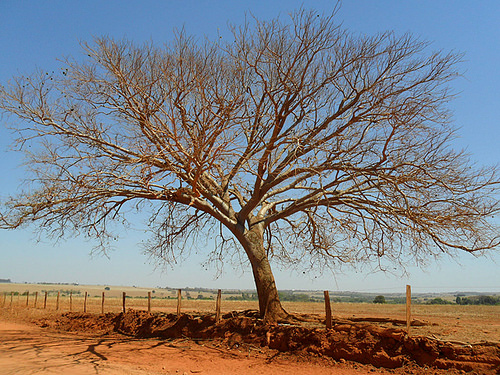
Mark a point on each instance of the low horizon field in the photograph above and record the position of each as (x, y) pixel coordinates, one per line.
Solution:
(464, 323)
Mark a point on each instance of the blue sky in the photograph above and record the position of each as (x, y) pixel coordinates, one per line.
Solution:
(37, 33)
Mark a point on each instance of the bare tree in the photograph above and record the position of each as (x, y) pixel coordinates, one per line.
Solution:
(301, 142)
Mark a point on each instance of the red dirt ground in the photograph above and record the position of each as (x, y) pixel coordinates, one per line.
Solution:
(142, 343)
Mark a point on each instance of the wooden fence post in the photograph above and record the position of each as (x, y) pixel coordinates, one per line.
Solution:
(408, 309)
(149, 302)
(328, 309)
(85, 303)
(57, 301)
(36, 299)
(27, 298)
(11, 299)
(179, 298)
(70, 300)
(45, 301)
(102, 304)
(217, 306)
(4, 298)
(124, 296)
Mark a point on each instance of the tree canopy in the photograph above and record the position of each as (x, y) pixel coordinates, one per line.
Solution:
(296, 141)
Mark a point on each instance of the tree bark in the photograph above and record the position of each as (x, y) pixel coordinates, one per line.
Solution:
(269, 302)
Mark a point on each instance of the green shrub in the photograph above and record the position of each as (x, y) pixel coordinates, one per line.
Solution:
(379, 299)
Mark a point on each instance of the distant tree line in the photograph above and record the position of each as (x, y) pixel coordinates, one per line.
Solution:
(290, 296)
(439, 301)
(478, 300)
(244, 297)
(296, 297)
(287, 296)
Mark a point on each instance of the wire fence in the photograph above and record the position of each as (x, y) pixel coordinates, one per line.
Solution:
(451, 321)
(113, 303)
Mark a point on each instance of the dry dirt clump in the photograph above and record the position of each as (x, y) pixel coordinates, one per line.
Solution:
(361, 342)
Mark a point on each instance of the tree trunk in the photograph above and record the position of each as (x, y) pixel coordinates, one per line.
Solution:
(269, 302)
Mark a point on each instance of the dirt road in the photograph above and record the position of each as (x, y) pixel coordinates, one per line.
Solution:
(29, 349)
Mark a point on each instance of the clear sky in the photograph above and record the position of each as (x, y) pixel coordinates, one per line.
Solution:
(37, 33)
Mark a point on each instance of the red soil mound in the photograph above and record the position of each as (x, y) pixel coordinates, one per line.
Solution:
(360, 342)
